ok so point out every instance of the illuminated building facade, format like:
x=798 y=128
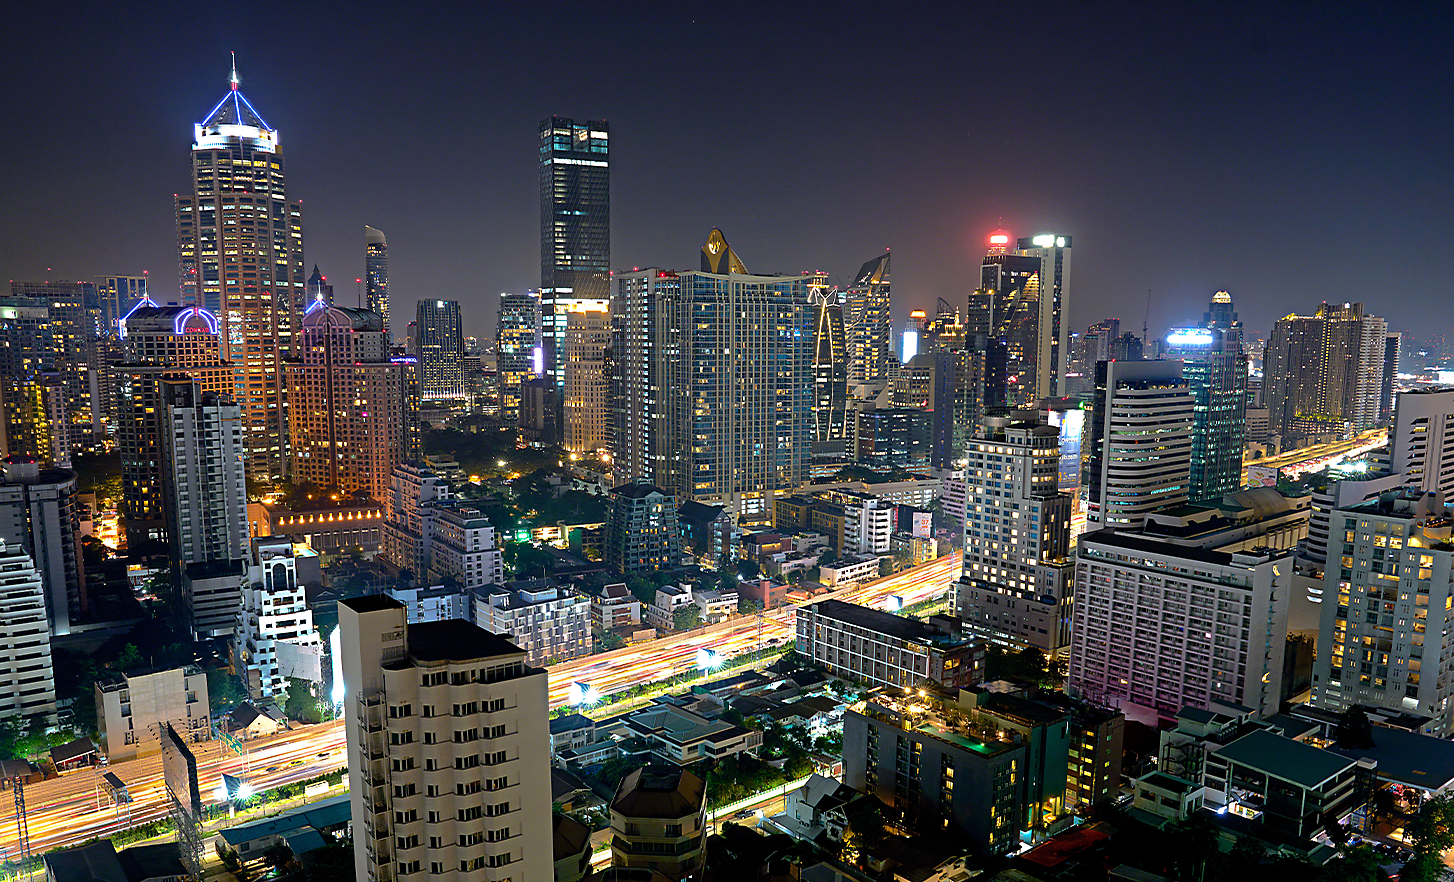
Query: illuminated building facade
x=203 y=483
x=376 y=273
x=713 y=385
x=240 y=245
x=49 y=327
x=1326 y=370
x=867 y=322
x=1023 y=305
x=575 y=228
x=1140 y=442
x=439 y=341
x=33 y=418
x=517 y=344
x=1215 y=370
x=159 y=342
x=587 y=388
x=346 y=403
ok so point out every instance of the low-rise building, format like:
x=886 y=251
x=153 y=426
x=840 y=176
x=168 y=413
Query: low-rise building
x=132 y=708
x=683 y=737
x=716 y=605
x=571 y=732
x=708 y=532
x=659 y=821
x=670 y=598
x=880 y=648
x=327 y=529
x=642 y=534
x=549 y=623
x=852 y=570
x=769 y=593
x=572 y=846
x=461 y=542
x=615 y=607
x=1283 y=785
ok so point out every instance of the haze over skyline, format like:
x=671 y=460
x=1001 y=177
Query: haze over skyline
x=1269 y=152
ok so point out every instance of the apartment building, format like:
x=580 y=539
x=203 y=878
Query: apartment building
x=880 y=648
x=547 y=622
x=461 y=543
x=659 y=821
x=131 y=710
x=275 y=638
x=449 y=749
x=27 y=678
x=615 y=607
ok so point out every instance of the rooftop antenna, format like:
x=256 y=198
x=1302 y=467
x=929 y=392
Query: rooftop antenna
x=233 y=79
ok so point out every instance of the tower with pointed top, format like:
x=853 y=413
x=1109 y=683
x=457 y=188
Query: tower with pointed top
x=240 y=248
x=376 y=273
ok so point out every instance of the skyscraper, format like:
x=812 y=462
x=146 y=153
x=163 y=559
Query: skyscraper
x=40 y=513
x=1323 y=374
x=240 y=243
x=586 y=406
x=202 y=473
x=1215 y=369
x=575 y=228
x=317 y=290
x=440 y=340
x=1421 y=440
x=1140 y=442
x=376 y=273
x=27 y=678
x=116 y=295
x=723 y=414
x=57 y=332
x=830 y=368
x=517 y=342
x=347 y=415
x=1053 y=358
x=867 y=324
x=1023 y=305
x=1016 y=583
x=401 y=682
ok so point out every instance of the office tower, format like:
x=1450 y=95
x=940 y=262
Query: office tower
x=587 y=412
x=40 y=515
x=27 y=679
x=346 y=403
x=830 y=366
x=1140 y=441
x=240 y=246
x=317 y=290
x=1023 y=304
x=659 y=821
x=722 y=415
x=275 y=639
x=517 y=349
x=116 y=294
x=1016 y=581
x=50 y=328
x=1385 y=615
x=1215 y=370
x=883 y=649
x=926 y=382
x=33 y=418
x=203 y=484
x=642 y=532
x=476 y=807
x=891 y=439
x=575 y=228
x=159 y=342
x=1053 y=356
x=1162 y=624
x=376 y=274
x=439 y=341
x=866 y=321
x=1323 y=374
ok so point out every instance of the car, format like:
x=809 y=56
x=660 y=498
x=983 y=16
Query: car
x=273 y=768
x=323 y=755
x=746 y=813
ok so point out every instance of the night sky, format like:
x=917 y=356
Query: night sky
x=1288 y=155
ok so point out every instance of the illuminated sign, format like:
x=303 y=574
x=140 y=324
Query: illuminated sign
x=910 y=346
x=1044 y=240
x=181 y=324
x=999 y=239
x=538 y=358
x=1190 y=337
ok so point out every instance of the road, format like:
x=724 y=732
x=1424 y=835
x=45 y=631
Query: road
x=1294 y=462
x=71 y=809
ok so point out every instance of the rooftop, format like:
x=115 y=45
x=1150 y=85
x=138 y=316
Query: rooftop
x=371 y=603
x=1284 y=758
x=456 y=640
x=1407 y=757
x=874 y=620
x=659 y=791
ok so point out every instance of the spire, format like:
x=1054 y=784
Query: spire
x=233 y=79
x=234 y=109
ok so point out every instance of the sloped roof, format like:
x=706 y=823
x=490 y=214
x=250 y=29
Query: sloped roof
x=659 y=792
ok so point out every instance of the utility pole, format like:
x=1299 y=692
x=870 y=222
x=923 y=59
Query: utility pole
x=21 y=823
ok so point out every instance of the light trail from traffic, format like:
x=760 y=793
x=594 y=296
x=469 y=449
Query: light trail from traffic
x=72 y=808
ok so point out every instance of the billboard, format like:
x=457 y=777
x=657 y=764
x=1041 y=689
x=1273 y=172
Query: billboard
x=1263 y=476
x=179 y=771
x=301 y=660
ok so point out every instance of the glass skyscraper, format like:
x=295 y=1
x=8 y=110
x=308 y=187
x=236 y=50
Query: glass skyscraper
x=376 y=273
x=1215 y=369
x=440 y=347
x=575 y=229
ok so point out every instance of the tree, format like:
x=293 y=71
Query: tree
x=687 y=617
x=885 y=566
x=1431 y=833
x=608 y=640
x=302 y=704
x=526 y=559
x=747 y=568
x=129 y=659
x=641 y=588
x=747 y=606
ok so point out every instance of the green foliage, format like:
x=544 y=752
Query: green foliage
x=1354 y=729
x=747 y=606
x=641 y=588
x=885 y=566
x=686 y=617
x=302 y=704
x=738 y=777
x=748 y=568
x=525 y=559
x=608 y=640
x=224 y=689
x=1027 y=664
x=1431 y=832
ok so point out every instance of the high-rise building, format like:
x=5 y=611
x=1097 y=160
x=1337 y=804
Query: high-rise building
x=587 y=387
x=1016 y=582
x=1164 y=625
x=57 y=332
x=159 y=342
x=1323 y=374
x=405 y=540
x=1421 y=442
x=376 y=274
x=1023 y=306
x=347 y=402
x=240 y=243
x=439 y=339
x=1140 y=441
x=517 y=349
x=575 y=228
x=1053 y=357
x=830 y=367
x=275 y=639
x=550 y=623
x=1385 y=614
x=317 y=290
x=116 y=295
x=40 y=515
x=449 y=746
x=27 y=678
x=203 y=482
x=721 y=415
x=642 y=532
x=887 y=439
x=867 y=326
x=33 y=418
x=1215 y=370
